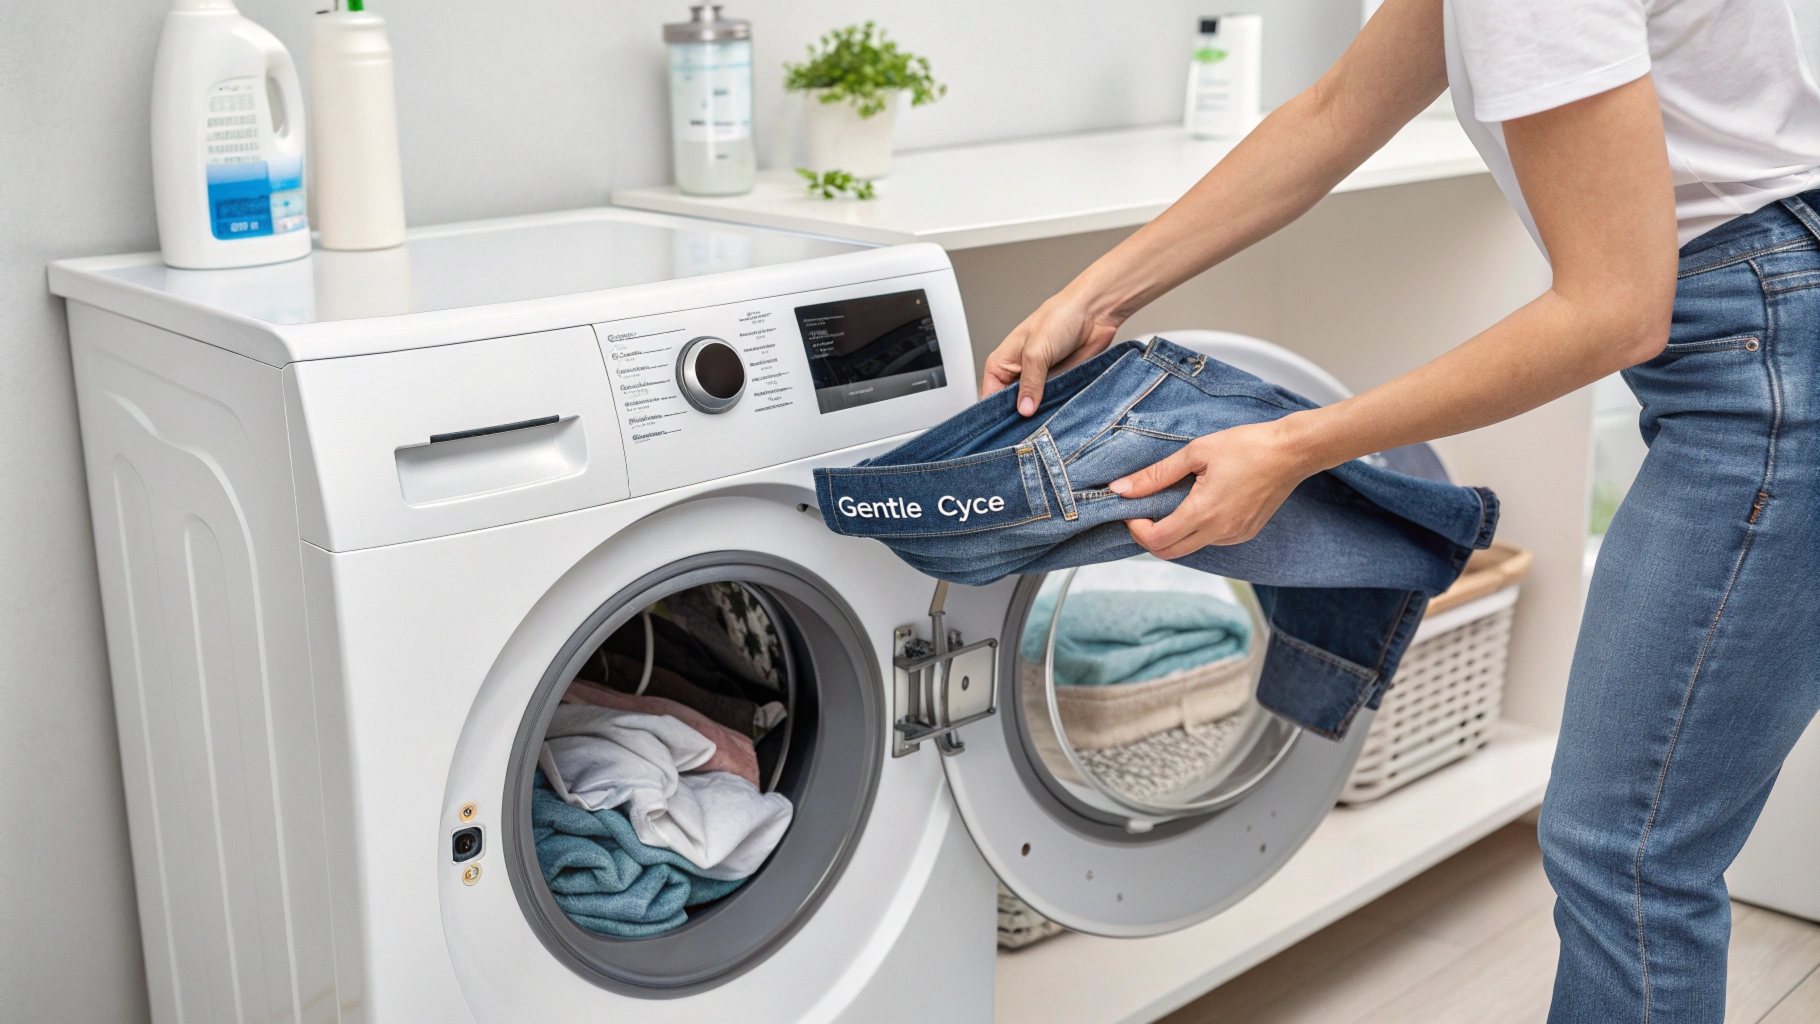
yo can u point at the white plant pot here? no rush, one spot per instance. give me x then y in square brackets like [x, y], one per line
[841, 140]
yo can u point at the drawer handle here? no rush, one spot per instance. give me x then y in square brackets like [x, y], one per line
[498, 428]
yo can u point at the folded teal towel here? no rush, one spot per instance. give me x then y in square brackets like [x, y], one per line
[605, 879]
[1106, 637]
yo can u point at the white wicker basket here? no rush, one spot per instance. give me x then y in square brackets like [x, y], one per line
[1018, 924]
[1448, 689]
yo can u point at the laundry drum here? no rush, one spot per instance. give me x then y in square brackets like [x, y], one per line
[770, 664]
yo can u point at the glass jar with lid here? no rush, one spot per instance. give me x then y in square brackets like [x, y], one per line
[711, 102]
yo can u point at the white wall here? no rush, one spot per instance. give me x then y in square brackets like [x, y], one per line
[505, 108]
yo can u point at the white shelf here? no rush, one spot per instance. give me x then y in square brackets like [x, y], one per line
[969, 196]
[1357, 855]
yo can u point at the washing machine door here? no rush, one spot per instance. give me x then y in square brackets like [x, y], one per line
[1129, 783]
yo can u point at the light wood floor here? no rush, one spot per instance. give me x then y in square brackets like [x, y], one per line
[1473, 942]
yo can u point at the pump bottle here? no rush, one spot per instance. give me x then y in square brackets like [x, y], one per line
[1225, 77]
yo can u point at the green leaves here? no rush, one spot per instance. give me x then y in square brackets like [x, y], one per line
[836, 183]
[858, 64]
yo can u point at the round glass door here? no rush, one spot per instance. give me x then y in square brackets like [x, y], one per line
[1136, 683]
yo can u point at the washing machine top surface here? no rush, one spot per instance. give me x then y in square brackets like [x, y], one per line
[332, 304]
[475, 264]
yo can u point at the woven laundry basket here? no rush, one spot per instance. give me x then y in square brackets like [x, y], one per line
[1444, 702]
[1018, 924]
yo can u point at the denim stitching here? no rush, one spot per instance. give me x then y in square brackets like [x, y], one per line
[1028, 473]
[923, 467]
[1112, 421]
[1745, 257]
[1773, 286]
[1731, 343]
[1051, 459]
[945, 533]
[1359, 701]
[1385, 651]
[1774, 380]
[1158, 434]
[1802, 212]
[1229, 391]
[1668, 757]
[1365, 674]
[1488, 508]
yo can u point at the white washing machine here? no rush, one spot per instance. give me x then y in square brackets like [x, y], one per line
[361, 519]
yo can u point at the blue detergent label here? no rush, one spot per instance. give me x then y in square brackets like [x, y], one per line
[249, 194]
[258, 198]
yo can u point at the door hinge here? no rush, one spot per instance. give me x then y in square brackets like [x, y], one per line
[939, 684]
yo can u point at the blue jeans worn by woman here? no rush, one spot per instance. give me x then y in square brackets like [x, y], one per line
[1698, 663]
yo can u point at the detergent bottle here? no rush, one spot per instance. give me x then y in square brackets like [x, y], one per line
[227, 141]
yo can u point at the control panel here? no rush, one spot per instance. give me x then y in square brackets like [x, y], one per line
[712, 392]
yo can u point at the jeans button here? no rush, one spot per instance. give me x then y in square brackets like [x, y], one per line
[1752, 345]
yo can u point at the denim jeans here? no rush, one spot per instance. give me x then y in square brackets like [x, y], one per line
[1698, 662]
[1344, 569]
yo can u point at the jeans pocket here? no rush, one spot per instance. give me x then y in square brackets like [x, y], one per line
[1733, 343]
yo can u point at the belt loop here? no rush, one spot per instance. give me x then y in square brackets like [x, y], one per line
[1804, 213]
[1030, 469]
[1058, 474]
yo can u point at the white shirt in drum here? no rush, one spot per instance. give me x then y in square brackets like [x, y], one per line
[1739, 104]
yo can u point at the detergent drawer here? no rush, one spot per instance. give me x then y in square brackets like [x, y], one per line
[403, 446]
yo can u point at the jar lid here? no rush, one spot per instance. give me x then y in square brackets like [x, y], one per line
[705, 25]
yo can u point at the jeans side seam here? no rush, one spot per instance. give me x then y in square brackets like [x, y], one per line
[1774, 384]
[1668, 757]
[1774, 381]
[1384, 652]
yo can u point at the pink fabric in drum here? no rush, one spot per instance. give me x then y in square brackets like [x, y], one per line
[732, 752]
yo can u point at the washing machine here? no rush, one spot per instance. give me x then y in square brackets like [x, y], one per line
[363, 519]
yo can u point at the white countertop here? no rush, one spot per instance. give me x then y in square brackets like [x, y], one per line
[968, 196]
[1356, 855]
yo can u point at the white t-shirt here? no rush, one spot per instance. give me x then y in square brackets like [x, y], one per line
[1739, 105]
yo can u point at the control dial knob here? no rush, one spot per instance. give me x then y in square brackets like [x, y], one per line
[711, 374]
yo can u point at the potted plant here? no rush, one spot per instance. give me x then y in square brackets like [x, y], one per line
[852, 85]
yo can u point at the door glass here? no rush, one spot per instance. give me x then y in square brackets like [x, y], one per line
[1137, 682]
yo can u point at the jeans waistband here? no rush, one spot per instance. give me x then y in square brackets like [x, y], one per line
[1793, 222]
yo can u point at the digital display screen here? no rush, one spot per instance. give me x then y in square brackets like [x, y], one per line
[870, 349]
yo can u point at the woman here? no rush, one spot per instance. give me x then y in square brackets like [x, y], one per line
[1658, 151]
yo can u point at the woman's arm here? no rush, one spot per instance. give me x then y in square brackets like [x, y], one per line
[1391, 71]
[1596, 179]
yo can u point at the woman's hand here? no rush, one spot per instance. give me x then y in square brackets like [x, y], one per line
[1063, 331]
[1242, 475]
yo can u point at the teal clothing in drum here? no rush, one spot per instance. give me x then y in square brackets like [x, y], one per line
[1108, 637]
[605, 879]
